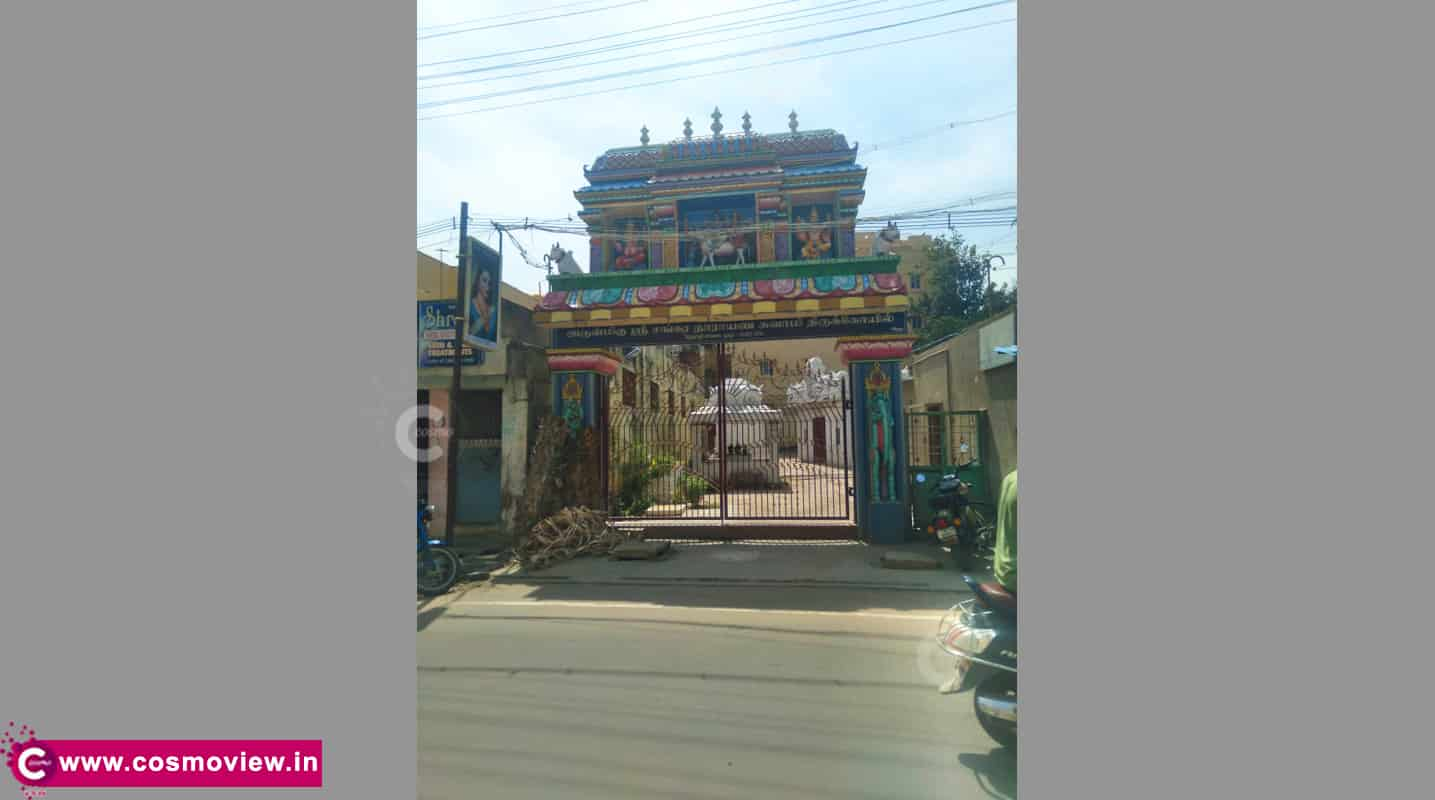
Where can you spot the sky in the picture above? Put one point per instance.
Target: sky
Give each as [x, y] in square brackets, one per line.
[526, 161]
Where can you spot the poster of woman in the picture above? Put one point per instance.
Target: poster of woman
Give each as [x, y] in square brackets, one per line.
[482, 296]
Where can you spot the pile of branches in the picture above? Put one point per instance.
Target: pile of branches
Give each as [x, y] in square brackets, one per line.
[567, 534]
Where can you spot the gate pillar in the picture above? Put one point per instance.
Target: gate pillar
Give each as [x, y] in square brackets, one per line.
[879, 439]
[579, 377]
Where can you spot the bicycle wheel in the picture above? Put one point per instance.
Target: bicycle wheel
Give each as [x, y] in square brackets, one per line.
[438, 570]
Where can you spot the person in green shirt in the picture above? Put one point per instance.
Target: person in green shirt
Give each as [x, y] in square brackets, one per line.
[1004, 559]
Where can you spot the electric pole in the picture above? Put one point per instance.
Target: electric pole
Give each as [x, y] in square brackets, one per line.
[460, 324]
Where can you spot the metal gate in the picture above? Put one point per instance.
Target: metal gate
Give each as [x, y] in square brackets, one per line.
[739, 447]
[944, 443]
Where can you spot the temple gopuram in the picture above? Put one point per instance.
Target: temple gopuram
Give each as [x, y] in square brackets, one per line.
[719, 239]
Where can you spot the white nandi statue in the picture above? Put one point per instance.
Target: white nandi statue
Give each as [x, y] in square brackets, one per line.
[721, 243]
[887, 239]
[563, 260]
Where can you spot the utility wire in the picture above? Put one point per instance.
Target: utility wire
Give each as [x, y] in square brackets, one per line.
[526, 21]
[726, 27]
[649, 53]
[943, 129]
[487, 56]
[709, 59]
[681, 78]
[506, 16]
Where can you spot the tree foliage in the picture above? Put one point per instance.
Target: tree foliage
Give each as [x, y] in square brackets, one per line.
[958, 292]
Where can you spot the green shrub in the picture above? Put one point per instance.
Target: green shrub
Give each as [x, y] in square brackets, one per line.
[692, 488]
[637, 469]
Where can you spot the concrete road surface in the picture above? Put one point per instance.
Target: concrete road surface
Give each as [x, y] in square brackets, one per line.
[697, 693]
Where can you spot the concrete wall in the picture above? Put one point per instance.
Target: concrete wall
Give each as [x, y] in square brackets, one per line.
[950, 373]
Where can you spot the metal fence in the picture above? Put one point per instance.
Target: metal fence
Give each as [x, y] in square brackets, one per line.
[761, 461]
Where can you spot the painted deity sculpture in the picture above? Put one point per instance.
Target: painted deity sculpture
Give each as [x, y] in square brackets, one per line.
[573, 405]
[881, 448]
[631, 254]
[815, 243]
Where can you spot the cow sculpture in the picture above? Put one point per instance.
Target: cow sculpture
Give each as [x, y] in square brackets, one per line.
[722, 243]
[563, 260]
[887, 239]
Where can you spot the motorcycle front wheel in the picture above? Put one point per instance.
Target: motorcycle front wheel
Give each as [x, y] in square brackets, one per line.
[438, 570]
[999, 687]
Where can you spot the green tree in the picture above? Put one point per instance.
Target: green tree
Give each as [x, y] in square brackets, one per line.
[958, 293]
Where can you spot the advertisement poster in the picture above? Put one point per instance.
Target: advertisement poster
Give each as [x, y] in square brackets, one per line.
[485, 275]
[436, 337]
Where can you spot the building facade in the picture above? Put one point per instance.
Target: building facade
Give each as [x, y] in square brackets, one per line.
[503, 395]
[963, 372]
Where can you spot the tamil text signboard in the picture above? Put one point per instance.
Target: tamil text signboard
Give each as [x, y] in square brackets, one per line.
[731, 331]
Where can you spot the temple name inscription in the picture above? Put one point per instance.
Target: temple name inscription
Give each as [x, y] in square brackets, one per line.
[738, 330]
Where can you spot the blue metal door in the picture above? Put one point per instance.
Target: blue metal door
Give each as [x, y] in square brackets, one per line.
[479, 481]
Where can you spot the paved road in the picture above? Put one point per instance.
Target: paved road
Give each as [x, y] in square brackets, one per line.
[675, 692]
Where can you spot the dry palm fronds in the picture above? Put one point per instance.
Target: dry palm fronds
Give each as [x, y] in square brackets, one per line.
[570, 533]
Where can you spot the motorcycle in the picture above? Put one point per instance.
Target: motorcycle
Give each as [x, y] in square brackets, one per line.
[952, 524]
[981, 633]
[439, 566]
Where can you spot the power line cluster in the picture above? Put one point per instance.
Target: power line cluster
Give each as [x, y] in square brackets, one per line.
[437, 226]
[630, 32]
[681, 78]
[706, 59]
[491, 26]
[920, 223]
[823, 15]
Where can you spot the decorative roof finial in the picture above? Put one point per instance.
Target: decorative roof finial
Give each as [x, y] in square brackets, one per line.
[717, 123]
[746, 123]
[687, 129]
[644, 137]
[792, 121]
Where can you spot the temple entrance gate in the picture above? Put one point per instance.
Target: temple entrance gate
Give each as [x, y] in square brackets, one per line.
[707, 242]
[822, 457]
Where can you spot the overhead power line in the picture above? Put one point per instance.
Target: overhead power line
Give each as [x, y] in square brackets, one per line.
[526, 21]
[650, 53]
[487, 56]
[943, 129]
[717, 72]
[508, 15]
[726, 27]
[709, 59]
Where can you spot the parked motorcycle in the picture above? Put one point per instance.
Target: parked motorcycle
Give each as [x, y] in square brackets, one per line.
[981, 633]
[439, 566]
[952, 524]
